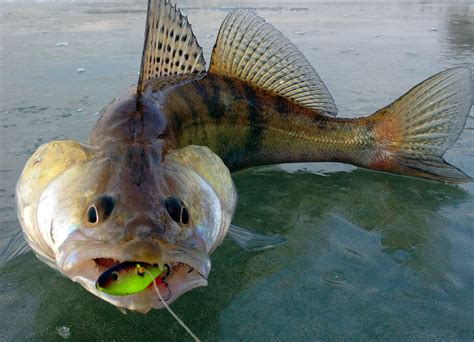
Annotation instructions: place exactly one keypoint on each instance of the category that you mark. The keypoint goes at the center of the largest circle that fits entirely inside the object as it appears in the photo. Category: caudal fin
(414, 132)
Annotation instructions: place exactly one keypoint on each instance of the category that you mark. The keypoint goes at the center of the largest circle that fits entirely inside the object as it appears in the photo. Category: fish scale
(267, 122)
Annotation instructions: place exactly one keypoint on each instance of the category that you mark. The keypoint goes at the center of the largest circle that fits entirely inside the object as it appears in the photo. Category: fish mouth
(187, 267)
(161, 280)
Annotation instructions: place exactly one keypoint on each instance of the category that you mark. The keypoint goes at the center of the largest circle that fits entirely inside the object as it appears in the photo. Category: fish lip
(147, 299)
(75, 258)
(73, 252)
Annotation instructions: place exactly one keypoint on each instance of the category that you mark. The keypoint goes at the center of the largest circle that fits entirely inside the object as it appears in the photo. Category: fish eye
(100, 209)
(114, 275)
(177, 210)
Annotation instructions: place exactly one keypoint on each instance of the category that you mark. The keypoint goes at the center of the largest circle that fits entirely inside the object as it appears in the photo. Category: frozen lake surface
(368, 255)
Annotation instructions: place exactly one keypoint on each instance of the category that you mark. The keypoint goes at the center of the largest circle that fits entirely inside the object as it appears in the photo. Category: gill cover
(45, 165)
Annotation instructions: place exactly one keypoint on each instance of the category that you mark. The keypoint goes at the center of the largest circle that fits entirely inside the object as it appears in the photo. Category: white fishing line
(171, 311)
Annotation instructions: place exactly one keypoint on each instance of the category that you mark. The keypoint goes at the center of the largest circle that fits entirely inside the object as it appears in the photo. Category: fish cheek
(47, 164)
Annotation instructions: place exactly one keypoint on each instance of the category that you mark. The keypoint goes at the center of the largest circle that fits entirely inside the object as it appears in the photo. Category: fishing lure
(128, 278)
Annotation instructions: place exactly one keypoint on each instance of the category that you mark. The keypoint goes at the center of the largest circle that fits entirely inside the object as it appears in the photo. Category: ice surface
(368, 255)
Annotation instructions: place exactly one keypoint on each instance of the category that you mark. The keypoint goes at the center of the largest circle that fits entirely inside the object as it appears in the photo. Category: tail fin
(415, 131)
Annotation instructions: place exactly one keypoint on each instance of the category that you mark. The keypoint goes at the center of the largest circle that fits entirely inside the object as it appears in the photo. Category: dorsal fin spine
(232, 52)
(253, 66)
(227, 39)
(167, 37)
(245, 60)
(258, 76)
(261, 73)
(181, 43)
(270, 75)
(248, 22)
(170, 46)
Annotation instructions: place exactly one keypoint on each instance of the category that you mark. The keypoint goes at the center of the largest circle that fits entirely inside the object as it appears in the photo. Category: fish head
(85, 210)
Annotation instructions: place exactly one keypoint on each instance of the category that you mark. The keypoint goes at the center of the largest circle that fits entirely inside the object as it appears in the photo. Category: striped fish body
(261, 102)
(248, 126)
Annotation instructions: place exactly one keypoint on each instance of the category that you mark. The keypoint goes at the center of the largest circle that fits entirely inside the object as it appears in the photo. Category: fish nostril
(143, 225)
(143, 231)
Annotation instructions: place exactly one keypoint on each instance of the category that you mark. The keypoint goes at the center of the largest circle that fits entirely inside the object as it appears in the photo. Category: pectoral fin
(16, 247)
(251, 241)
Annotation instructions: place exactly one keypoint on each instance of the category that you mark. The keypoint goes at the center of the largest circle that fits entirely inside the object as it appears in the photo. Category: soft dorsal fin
(170, 45)
(251, 49)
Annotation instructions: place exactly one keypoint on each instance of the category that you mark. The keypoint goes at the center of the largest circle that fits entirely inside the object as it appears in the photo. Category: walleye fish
(153, 184)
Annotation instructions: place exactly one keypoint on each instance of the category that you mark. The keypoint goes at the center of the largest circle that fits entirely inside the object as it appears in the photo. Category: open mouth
(135, 276)
(85, 261)
(104, 264)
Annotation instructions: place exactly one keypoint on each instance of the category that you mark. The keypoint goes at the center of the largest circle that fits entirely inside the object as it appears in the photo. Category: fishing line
(171, 311)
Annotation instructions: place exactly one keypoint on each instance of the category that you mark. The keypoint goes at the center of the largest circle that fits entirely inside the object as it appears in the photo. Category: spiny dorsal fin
(170, 45)
(251, 49)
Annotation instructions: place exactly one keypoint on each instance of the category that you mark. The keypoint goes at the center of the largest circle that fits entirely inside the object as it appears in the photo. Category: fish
(153, 183)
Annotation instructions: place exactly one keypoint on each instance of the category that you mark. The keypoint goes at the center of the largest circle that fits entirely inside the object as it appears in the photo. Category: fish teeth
(161, 265)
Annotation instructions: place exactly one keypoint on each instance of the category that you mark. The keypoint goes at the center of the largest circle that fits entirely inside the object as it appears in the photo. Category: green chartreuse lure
(127, 278)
